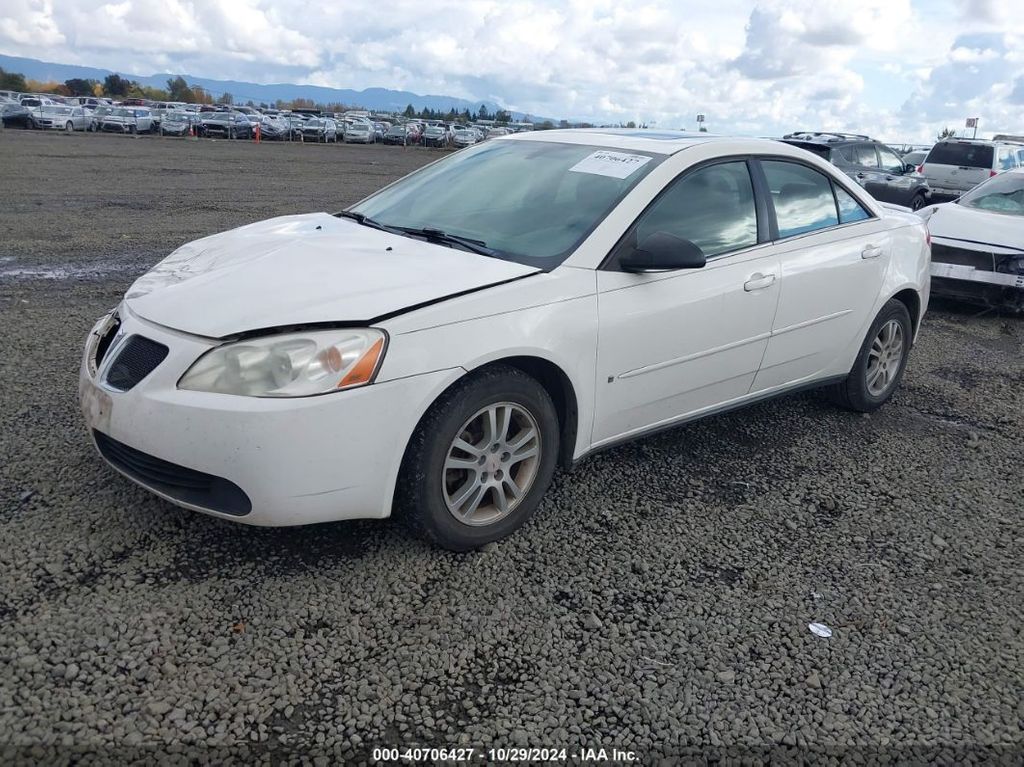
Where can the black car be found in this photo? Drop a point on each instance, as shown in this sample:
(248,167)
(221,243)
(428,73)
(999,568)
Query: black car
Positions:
(873,165)
(226,125)
(16,116)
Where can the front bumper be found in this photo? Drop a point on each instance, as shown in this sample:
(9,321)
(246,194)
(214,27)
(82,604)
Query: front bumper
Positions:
(972,274)
(987,275)
(297,461)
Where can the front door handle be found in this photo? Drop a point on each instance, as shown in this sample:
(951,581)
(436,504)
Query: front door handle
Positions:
(758,282)
(871,251)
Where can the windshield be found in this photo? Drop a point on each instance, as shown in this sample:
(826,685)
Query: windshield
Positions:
(1002,194)
(529,201)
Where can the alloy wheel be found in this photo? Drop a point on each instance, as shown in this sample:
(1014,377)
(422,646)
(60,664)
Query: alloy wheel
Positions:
(491,464)
(884,358)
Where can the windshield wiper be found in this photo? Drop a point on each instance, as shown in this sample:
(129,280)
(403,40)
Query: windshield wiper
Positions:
(362,218)
(430,234)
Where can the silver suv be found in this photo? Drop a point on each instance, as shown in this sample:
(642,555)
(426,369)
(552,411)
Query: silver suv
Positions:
(955,166)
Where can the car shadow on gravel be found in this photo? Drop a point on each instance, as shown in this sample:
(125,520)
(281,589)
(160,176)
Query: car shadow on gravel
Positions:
(210,548)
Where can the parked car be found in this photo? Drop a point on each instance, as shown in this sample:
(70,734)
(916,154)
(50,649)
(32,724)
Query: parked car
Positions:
(435,135)
(978,243)
(89,102)
(229,125)
(463,137)
(397,134)
(421,351)
(180,123)
(954,166)
(359,132)
(320,129)
(873,165)
(272,128)
(63,118)
(378,131)
(97,115)
(294,125)
(127,120)
(14,115)
(915,157)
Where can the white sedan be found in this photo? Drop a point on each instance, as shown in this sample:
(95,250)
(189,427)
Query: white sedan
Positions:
(439,348)
(978,243)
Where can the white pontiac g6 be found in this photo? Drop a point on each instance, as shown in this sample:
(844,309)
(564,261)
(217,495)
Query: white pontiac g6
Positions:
(440,347)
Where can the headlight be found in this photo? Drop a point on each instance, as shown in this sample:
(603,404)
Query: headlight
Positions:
(290,365)
(1010,264)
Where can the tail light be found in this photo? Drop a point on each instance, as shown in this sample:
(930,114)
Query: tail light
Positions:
(991,173)
(920,169)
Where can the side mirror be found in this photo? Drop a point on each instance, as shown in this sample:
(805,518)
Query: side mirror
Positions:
(908,168)
(662,252)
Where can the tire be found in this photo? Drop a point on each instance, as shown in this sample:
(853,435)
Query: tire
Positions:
(918,201)
(69,127)
(867,388)
(426,489)
(131,129)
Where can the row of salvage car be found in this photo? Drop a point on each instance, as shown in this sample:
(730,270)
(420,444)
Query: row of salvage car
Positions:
(971,193)
(227,121)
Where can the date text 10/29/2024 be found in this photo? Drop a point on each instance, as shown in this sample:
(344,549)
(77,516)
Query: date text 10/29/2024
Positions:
(511,754)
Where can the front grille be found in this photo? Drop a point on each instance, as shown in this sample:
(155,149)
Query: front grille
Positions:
(177,482)
(137,359)
(944,254)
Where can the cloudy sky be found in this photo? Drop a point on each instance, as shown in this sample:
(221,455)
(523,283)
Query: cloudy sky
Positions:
(897,69)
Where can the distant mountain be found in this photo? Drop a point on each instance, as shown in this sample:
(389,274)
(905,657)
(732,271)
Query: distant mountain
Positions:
(375,99)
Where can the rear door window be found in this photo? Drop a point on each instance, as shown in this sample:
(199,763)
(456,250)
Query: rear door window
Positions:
(849,209)
(802,197)
(961,154)
(866,157)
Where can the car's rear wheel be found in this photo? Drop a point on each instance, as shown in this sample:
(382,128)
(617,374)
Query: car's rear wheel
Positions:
(480,460)
(880,363)
(918,201)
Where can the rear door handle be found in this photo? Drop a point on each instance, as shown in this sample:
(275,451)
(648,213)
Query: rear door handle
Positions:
(871,251)
(758,282)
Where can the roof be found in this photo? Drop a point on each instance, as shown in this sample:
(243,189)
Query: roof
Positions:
(825,137)
(637,140)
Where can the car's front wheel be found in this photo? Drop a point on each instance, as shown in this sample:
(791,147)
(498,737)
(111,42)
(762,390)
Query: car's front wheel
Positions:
(480,460)
(880,363)
(918,202)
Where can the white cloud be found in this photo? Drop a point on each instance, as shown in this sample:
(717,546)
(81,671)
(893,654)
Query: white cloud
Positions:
(756,66)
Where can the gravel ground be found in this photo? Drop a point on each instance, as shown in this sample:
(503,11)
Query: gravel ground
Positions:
(659,600)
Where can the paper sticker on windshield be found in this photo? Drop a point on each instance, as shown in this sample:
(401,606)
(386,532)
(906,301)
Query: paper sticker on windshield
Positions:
(614,164)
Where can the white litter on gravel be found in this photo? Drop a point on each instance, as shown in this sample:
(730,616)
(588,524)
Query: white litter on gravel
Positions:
(820,629)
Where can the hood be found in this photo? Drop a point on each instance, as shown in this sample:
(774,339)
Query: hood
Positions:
(304,269)
(951,221)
